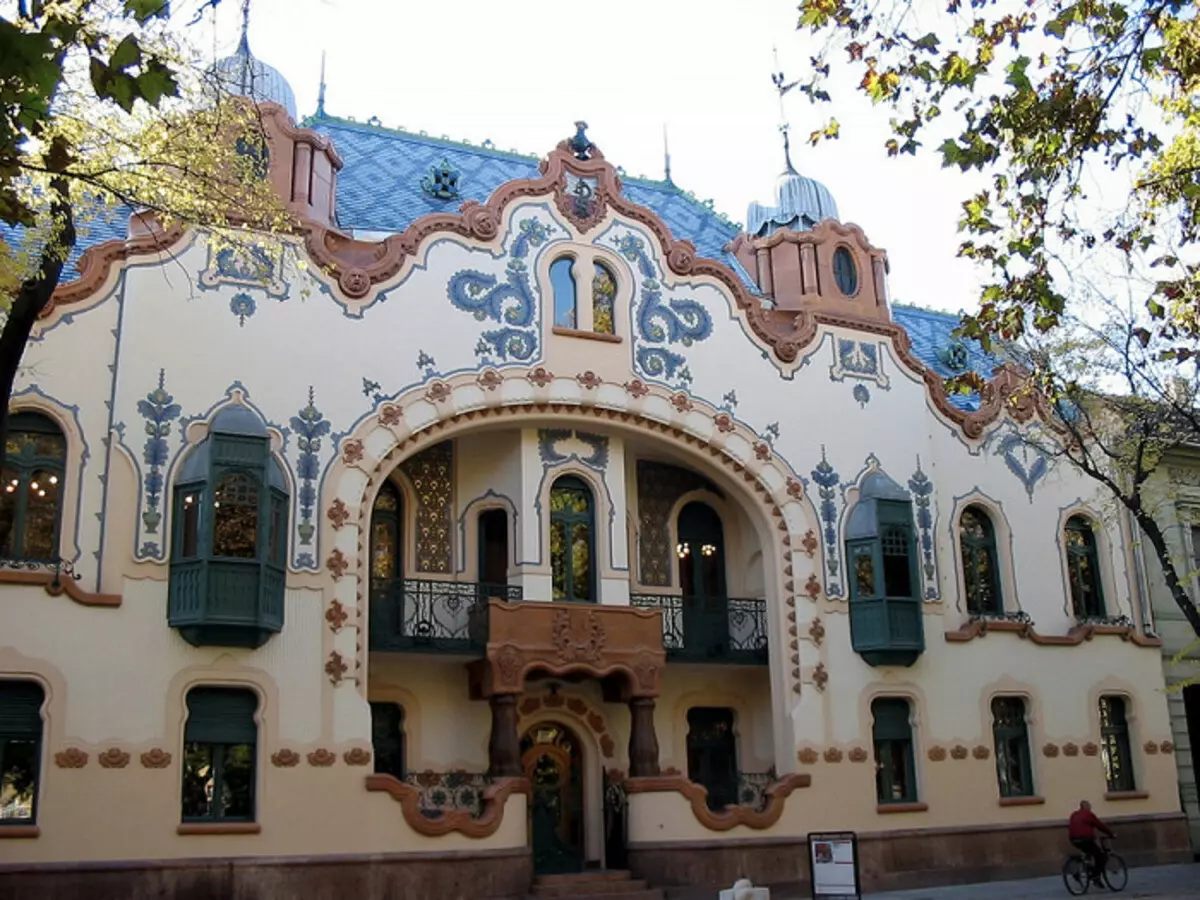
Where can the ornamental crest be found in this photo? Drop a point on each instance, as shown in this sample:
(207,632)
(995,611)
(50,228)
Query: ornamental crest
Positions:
(576,644)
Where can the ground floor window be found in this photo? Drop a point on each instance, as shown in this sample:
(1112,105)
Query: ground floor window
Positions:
(895,772)
(1014,771)
(219,755)
(387,738)
(20,750)
(1114,744)
(712,754)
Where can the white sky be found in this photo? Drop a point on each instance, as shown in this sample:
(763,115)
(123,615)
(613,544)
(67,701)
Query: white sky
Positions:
(520,72)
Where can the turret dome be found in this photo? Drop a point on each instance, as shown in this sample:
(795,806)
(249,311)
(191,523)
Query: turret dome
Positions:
(800,203)
(246,75)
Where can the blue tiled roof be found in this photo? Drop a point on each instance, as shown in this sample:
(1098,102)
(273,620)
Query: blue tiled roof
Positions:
(379,189)
(92,228)
(931,334)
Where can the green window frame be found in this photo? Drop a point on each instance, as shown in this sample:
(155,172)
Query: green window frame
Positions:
(387,530)
(31,488)
(981,572)
(572,541)
(387,738)
(1010,734)
(1083,569)
(220,748)
(884,566)
(712,754)
(895,764)
(20,751)
(1115,752)
(565,291)
(604,298)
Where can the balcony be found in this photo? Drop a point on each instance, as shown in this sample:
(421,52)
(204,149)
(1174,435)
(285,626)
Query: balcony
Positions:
(887,631)
(225,603)
(417,615)
(711,629)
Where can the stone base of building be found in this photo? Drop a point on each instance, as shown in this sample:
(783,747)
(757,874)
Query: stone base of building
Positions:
(464,875)
(900,860)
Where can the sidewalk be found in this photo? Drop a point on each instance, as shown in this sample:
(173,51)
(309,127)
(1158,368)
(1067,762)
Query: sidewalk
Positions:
(1158,882)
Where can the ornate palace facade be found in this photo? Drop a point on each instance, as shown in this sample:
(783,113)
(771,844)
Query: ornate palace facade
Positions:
(545,521)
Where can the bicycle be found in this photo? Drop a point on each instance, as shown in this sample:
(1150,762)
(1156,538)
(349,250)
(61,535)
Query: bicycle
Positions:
(1079,871)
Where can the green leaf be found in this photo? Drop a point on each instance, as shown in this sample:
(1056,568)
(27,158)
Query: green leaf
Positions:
(157,82)
(145,10)
(127,54)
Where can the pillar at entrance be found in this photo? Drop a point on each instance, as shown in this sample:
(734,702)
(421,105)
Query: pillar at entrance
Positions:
(504,744)
(643,742)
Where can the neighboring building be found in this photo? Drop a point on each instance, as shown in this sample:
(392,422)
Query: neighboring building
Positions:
(1179,513)
(763,575)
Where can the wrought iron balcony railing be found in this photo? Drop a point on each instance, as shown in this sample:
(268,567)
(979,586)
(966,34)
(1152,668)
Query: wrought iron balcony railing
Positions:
(711,629)
(433,616)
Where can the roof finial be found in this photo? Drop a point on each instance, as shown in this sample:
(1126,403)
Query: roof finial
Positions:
(782,85)
(321,89)
(244,43)
(666,155)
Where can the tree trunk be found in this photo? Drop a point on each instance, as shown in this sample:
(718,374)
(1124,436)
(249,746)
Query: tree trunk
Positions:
(31,298)
(1158,541)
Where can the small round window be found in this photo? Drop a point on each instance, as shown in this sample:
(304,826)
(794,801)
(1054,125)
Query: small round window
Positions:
(845,273)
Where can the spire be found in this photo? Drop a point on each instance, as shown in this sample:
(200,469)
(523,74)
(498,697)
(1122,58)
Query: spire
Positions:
(321,89)
(244,43)
(666,156)
(782,86)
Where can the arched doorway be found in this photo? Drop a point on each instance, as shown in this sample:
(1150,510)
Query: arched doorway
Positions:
(553,761)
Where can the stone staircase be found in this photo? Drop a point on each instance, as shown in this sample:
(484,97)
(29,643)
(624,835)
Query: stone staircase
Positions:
(597,884)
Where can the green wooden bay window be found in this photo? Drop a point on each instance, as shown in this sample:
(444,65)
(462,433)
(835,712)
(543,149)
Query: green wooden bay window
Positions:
(20,751)
(1014,769)
(219,755)
(886,625)
(895,768)
(229,548)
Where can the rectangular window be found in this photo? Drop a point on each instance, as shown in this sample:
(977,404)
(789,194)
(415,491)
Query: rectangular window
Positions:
(862,564)
(387,738)
(1014,771)
(219,755)
(1195,556)
(895,772)
(20,751)
(1114,744)
(712,754)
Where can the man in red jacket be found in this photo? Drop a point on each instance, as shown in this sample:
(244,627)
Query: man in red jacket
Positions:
(1082,829)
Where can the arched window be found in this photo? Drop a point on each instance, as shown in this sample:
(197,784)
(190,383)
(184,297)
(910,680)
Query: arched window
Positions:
(31,501)
(572,540)
(20,751)
(712,754)
(981,576)
(386,531)
(604,295)
(219,755)
(701,552)
(562,283)
(1010,734)
(1083,569)
(387,738)
(1115,745)
(845,272)
(493,547)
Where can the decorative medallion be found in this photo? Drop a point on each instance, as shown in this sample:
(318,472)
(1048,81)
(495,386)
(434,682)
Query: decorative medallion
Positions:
(337,563)
(1151,748)
(352,451)
(335,667)
(390,414)
(589,380)
(816,631)
(1167,747)
(1090,749)
(285,759)
(820,676)
(575,644)
(357,757)
(833,755)
(809,543)
(681,402)
(958,751)
(242,306)
(337,513)
(981,751)
(724,423)
(443,182)
(1070,749)
(355,283)
(636,388)
(336,616)
(438,392)
(540,377)
(71,758)
(808,756)
(1050,751)
(322,758)
(937,754)
(857,755)
(489,380)
(156,758)
(113,758)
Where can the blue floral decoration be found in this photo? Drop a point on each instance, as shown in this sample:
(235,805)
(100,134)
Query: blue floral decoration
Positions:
(677,321)
(827,482)
(310,426)
(862,395)
(159,409)
(922,490)
(242,306)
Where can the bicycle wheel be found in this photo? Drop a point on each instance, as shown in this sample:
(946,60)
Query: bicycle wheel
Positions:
(1075,876)
(1116,876)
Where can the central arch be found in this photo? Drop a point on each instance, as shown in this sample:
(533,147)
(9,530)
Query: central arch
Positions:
(552,759)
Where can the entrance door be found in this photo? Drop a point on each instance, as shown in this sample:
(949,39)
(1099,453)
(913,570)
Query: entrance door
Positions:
(701,553)
(551,756)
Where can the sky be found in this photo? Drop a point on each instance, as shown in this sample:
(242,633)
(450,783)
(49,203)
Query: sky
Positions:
(521,72)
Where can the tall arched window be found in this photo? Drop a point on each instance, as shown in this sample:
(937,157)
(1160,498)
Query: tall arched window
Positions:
(493,547)
(31,500)
(701,552)
(712,754)
(386,529)
(981,576)
(1083,568)
(562,283)
(604,295)
(572,540)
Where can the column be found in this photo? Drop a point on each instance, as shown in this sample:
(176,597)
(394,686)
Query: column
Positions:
(504,745)
(643,742)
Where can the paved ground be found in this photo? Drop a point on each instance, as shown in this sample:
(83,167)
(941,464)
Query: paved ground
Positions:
(1158,882)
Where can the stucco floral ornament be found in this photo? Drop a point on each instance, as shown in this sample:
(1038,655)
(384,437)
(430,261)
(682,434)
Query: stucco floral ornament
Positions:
(113,758)
(809,541)
(335,667)
(71,758)
(489,380)
(285,759)
(391,414)
(1050,751)
(1090,749)
(958,751)
(1167,747)
(352,451)
(338,513)
(1151,748)
(636,388)
(816,631)
(541,376)
(808,756)
(857,755)
(937,754)
(833,755)
(336,616)
(357,757)
(589,380)
(337,563)
(681,402)
(156,758)
(981,751)
(322,758)
(438,392)
(812,587)
(820,676)
(1070,749)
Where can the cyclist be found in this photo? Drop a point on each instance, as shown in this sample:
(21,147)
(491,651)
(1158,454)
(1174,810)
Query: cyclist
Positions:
(1081,829)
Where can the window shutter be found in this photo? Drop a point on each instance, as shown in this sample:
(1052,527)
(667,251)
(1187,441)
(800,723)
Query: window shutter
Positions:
(891,720)
(221,716)
(21,709)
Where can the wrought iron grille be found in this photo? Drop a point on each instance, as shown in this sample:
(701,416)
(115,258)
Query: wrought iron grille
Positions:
(711,629)
(61,569)
(436,616)
(752,789)
(444,792)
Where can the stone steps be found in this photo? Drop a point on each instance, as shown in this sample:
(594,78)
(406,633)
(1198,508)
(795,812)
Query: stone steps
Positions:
(599,884)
